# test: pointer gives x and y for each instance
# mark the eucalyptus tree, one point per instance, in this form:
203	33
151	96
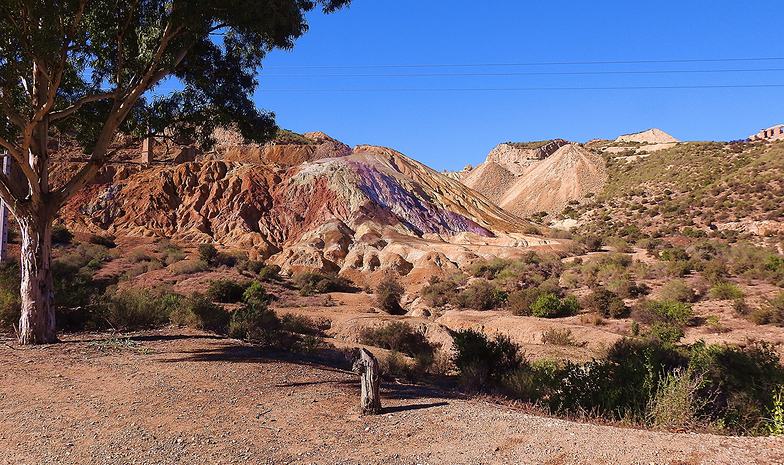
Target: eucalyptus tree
93	70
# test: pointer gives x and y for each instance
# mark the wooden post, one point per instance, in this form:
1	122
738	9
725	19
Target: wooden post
367	368
148	144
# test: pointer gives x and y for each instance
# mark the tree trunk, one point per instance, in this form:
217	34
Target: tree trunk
368	369
37	324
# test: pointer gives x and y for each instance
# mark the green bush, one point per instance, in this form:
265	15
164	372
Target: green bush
481	362
560	337
140	308
225	291
726	291
255	322
313	282
301	324
480	294
270	273
677	290
550	306
667	333
388	294
400	337
677	401
10	301
61	235
441	291
656	311
772	312
606	303
198	311
188	266
207	253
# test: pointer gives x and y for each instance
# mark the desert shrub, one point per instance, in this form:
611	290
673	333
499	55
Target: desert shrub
255	322
198	311
481	362
400	337
140	308
312	282
742	382
10	301
726	291
80	303
665	332
560	337
388	294
269	273
776	419
225	291
548	305
61	235
395	365
480	294
207	253
606	303
301	324
657	311
772	312
677	290
591	243
678	401
103	240
139	256
188	266
255	294
171	253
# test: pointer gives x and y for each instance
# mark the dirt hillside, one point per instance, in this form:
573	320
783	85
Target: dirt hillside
650	136
568	174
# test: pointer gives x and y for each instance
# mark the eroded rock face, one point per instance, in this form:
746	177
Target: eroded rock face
516	157
371	210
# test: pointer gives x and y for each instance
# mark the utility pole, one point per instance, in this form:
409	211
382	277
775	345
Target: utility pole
4	211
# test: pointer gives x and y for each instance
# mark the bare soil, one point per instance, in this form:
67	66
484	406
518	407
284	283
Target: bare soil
178	396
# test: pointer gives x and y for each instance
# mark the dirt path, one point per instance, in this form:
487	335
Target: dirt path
189	398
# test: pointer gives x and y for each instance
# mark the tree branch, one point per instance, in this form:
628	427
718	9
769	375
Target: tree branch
66	112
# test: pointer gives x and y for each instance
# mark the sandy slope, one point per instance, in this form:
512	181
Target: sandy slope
189	398
651	136
568	174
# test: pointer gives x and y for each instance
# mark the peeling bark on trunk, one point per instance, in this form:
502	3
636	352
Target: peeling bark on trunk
37	324
368	369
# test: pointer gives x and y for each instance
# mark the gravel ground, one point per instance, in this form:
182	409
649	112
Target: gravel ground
183	397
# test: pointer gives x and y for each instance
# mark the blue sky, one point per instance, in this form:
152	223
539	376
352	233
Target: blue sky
447	130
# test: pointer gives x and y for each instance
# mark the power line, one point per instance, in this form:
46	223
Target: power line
526	89
534	73
540	63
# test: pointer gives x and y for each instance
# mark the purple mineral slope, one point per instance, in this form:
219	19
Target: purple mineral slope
412	207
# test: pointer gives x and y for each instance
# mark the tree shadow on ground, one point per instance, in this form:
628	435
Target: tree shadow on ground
408	408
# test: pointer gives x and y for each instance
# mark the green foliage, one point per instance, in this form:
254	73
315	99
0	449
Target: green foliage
480	294
441	291
313	282
10	301
61	235
269	273
481	362
225	291
255	322
772	312
548	305
776	421
188	266
677	401
726	291
207	253
677	290
606	303
399	337
198	311
388	294
560	337
140	308
656	311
